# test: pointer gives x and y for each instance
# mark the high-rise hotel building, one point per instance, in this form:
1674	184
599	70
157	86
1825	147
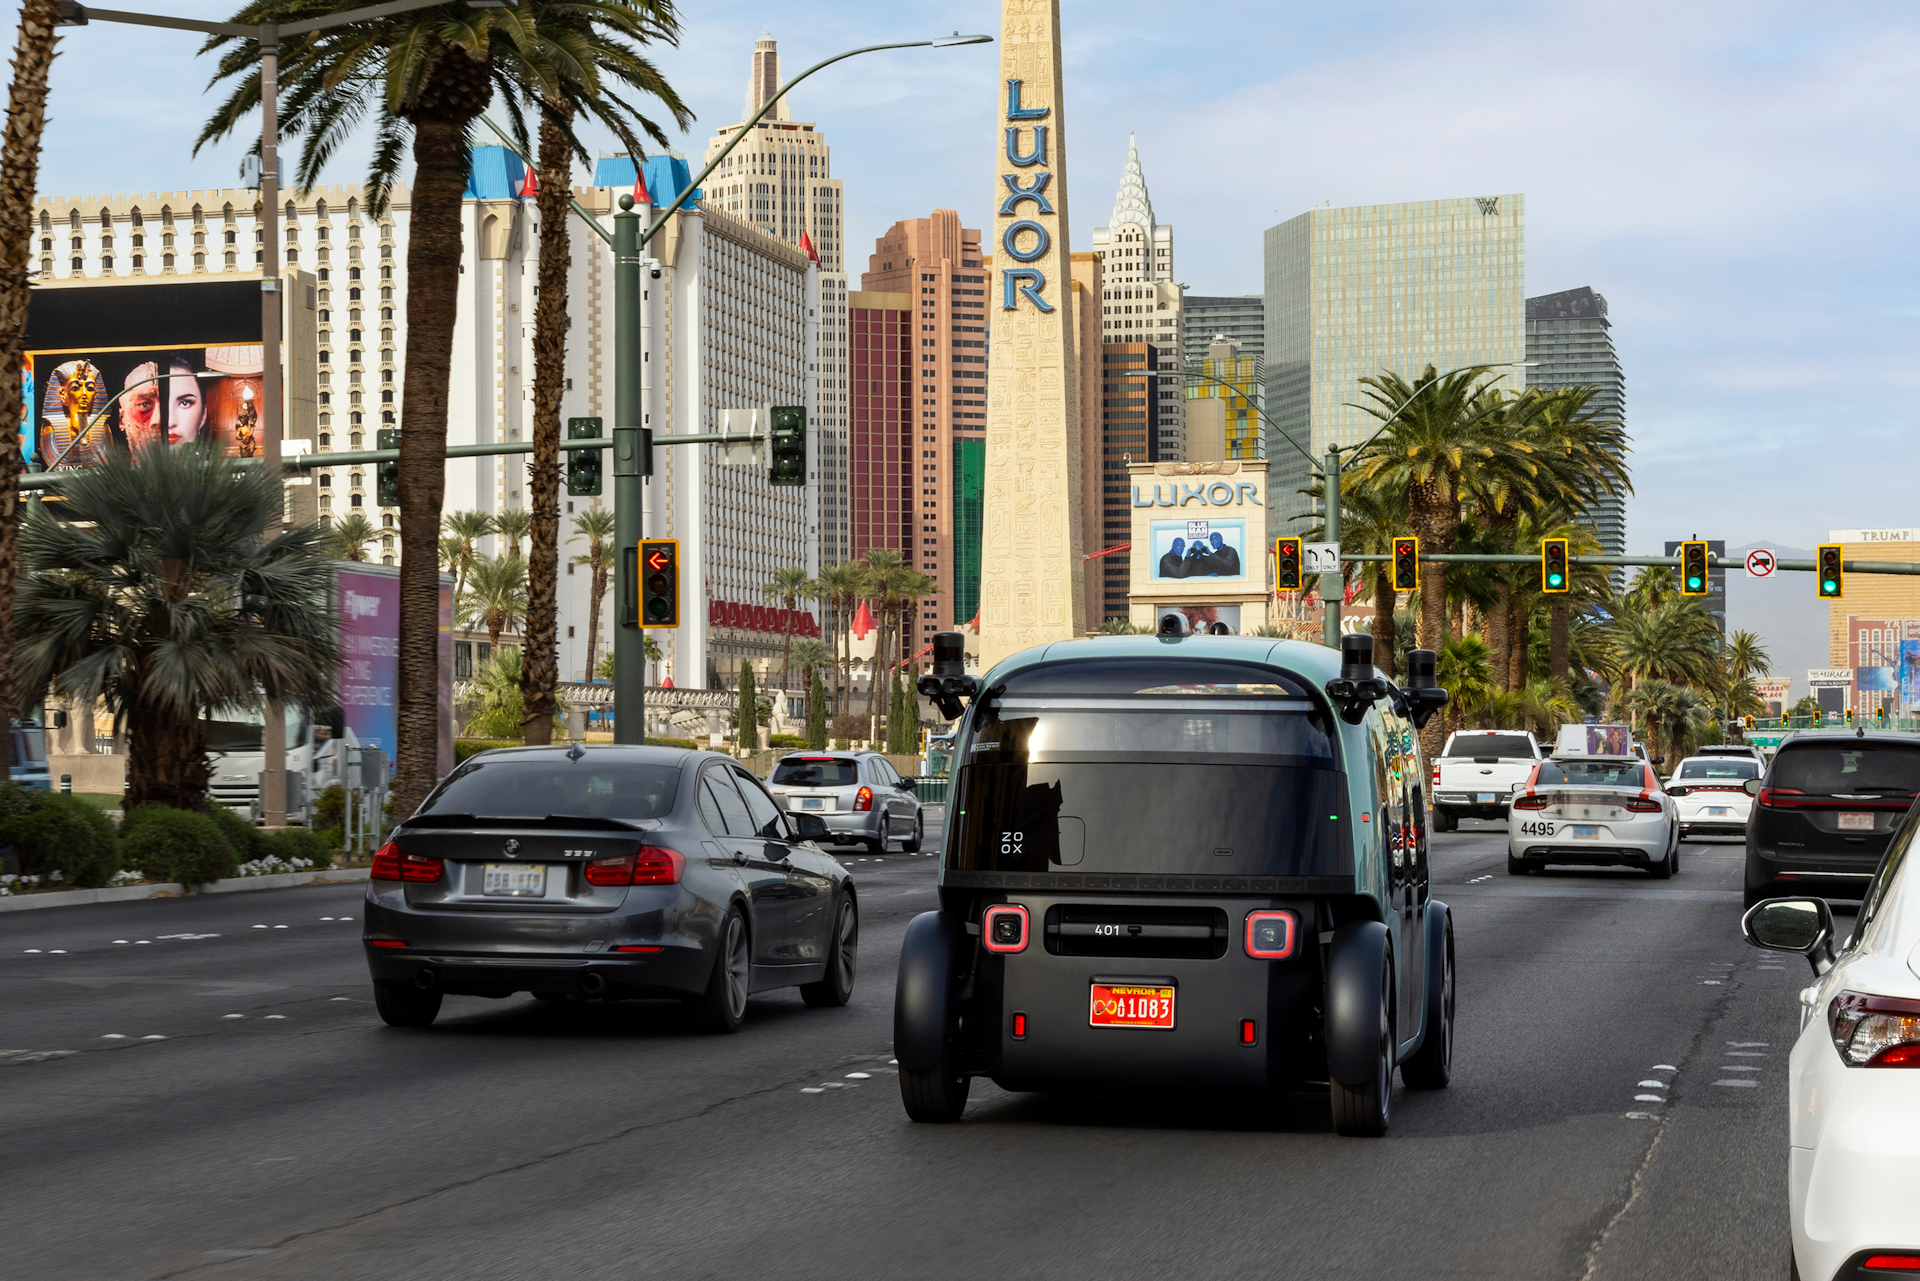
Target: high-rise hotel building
934	266
1357	292
780	182
1140	301
1570	344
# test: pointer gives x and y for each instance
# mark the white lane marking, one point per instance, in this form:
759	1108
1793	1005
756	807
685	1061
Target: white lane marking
1663	1067
153	1036
1739	1085
279	927
276	1016
859	1076
1747	1044
346	918
1649	1098
834	1085
1769	967
811	1089
1745	1054
138	942
1653	1085
233	1016
186	936
1741	1067
33	949
893	1062
121	940
114	1036
339	998
1712	982
1642	1116
259	927
326	918
58	951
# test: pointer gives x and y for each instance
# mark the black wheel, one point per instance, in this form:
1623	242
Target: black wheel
1362	1111
876	845
723	1006
1518	866
403	1005
1444	822
1663	869
935	1098
912	844
842	955
1432	1067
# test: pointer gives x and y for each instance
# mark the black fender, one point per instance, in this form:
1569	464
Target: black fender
930	955
1356	967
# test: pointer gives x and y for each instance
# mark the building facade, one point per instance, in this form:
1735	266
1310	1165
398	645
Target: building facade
1141	302
1224	390
936	265
1357	292
1242	319
1570	344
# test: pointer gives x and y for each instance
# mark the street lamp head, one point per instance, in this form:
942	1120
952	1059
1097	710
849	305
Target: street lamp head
626	202
942	42
69	13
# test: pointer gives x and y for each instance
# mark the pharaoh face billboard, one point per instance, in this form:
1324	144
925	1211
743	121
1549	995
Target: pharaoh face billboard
140	367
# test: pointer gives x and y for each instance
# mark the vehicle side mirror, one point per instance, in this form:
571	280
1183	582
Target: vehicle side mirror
1751	787
811	827
1518	787
1659	760
1803	925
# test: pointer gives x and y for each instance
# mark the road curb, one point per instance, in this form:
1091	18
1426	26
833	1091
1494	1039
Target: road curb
228	885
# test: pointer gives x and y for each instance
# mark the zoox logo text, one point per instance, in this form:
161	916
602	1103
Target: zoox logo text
1027	184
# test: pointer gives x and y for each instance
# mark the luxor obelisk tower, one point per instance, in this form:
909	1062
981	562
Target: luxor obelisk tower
1031	584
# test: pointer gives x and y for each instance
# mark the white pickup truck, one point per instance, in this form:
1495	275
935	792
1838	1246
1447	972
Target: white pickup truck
1474	774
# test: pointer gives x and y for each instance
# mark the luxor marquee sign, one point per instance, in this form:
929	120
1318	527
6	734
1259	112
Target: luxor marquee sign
1030	155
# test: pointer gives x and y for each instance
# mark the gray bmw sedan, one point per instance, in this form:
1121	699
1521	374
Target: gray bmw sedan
611	873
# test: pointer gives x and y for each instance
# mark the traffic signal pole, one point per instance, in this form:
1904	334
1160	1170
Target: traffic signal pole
1333	587
632	461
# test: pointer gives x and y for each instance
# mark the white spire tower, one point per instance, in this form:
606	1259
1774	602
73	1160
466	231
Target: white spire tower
1140	303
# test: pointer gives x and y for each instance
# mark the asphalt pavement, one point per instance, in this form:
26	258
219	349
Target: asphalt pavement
200	1087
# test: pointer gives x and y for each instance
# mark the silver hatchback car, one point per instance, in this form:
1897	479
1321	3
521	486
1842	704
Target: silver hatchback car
858	795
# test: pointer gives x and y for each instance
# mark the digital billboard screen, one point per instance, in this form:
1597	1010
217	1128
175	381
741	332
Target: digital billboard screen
140	366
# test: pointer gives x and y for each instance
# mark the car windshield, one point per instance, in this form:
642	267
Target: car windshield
1730	767
513	786
1505	746
1143	766
1591	773
1855	768
816	771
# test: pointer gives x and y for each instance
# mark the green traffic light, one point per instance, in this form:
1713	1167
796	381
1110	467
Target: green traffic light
1694	584
1828	585
1554	579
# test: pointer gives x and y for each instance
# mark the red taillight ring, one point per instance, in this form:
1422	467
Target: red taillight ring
1259	942
1003	912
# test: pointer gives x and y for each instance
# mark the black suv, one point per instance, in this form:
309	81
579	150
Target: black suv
1827	807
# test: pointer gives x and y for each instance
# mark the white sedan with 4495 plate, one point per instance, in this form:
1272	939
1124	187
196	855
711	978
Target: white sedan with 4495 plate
1594	810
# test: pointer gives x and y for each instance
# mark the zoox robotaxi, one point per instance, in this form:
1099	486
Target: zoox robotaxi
1181	860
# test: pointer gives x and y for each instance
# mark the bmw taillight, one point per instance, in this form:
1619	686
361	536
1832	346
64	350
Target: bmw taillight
1875	1031
1270	935
653	865
1530	801
1004	928
863	799
389	864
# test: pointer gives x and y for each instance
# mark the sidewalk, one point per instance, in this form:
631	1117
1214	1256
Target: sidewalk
229	885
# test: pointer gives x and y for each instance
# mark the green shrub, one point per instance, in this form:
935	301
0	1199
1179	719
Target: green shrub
787	740
330	808
247	841
166	844
291	843
60	834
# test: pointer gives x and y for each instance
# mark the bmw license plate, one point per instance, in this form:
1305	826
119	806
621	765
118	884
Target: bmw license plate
1856	822
515	880
1131	1005
1584	831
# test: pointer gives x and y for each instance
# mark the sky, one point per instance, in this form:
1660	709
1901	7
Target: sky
1738	179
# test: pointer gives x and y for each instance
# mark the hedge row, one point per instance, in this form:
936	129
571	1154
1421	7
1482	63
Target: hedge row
53	833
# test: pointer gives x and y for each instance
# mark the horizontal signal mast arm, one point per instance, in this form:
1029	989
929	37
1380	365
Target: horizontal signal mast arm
1670	562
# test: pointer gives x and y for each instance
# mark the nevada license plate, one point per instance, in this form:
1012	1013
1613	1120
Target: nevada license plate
1484	798
1856	822
515	880
1583	832
1717	811
813	803
1130	1005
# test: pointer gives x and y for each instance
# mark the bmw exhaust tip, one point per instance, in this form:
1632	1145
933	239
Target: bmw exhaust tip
594	984
426	980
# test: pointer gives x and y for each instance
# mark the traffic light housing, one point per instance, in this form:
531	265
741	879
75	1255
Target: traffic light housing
787	446
659	572
1849	716
583	465
1693	569
386	475
1748	721
1286	564
1880	714
1829	571
1406	564
1553	566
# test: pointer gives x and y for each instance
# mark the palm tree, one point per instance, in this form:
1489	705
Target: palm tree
787	586
449	555
811	653
839	586
513	524
424	76
169	590
348	538
881	571
1434	443
596	526
1465	670
496	596
1123	627
599	41
469	527
19	173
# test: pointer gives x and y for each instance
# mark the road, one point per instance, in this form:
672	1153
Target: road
1618	1111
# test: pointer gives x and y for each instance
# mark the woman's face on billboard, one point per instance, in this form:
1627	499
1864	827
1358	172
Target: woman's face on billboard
186	408
140	407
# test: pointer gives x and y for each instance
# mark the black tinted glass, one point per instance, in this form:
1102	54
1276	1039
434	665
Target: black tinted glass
1501	745
816	771
1156	677
1579	773
1726	767
533	787
1844	767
